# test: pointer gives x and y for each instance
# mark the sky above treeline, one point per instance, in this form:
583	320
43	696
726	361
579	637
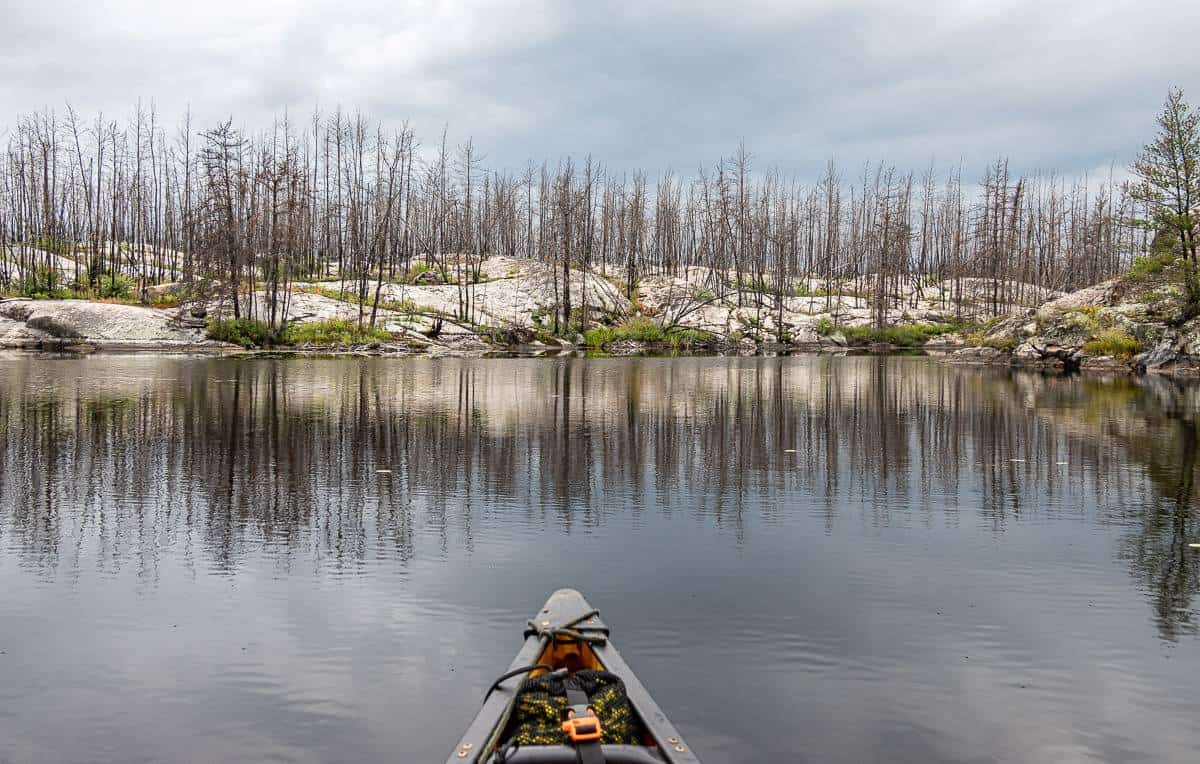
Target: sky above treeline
1070	85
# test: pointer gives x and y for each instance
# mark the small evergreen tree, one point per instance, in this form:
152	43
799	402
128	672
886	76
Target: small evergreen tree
1169	169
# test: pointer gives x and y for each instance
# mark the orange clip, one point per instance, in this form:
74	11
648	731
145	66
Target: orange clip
582	729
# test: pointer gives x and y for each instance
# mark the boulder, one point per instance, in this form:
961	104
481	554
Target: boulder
101	324
1162	354
1099	295
981	353
804	335
1027	351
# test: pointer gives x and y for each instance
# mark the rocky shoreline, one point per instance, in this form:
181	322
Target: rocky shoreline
1146	321
1141	322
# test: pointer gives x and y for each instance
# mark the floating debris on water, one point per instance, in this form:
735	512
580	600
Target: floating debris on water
789	450
1193	546
384	472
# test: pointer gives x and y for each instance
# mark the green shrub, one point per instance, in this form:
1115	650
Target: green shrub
1191	292
904	335
417	272
1115	342
599	336
825	327
246	332
1150	265
42	283
641	329
908	336
333	332
690	337
1087	318
250	333
166	301
1007	343
116	288
858	333
637	329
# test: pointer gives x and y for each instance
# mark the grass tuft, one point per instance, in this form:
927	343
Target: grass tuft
905	335
685	338
643	329
638	329
245	332
1114	341
333	332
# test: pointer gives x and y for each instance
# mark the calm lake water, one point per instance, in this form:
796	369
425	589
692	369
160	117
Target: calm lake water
804	559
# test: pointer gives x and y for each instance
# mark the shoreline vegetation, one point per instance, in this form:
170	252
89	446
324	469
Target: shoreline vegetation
338	236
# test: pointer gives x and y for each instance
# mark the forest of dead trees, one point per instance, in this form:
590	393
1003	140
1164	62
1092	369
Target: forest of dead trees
146	202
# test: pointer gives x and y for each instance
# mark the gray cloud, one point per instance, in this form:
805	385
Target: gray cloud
1071	85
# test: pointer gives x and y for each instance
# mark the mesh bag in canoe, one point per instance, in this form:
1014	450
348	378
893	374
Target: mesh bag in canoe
541	704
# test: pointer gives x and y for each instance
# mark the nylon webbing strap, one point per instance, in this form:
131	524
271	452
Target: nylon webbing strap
590	752
568	630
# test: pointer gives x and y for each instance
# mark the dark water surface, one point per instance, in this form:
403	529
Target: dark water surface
811	559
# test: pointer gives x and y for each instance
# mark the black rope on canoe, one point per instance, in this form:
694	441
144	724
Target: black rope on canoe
502	754
565	631
515	672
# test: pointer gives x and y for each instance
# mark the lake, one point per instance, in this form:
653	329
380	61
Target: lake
805	559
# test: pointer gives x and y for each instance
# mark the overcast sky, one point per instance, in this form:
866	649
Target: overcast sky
1071	85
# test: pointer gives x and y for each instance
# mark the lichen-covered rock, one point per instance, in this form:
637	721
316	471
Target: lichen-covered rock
1099	294
980	353
804	334
1188	338
518	299
1028	351
464	344
199	289
49	322
1162	354
1007	332
1069	330
1131	323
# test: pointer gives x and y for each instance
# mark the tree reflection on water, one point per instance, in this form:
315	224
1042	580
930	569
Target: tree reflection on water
134	458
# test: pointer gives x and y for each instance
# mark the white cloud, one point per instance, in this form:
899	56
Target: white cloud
1071	84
